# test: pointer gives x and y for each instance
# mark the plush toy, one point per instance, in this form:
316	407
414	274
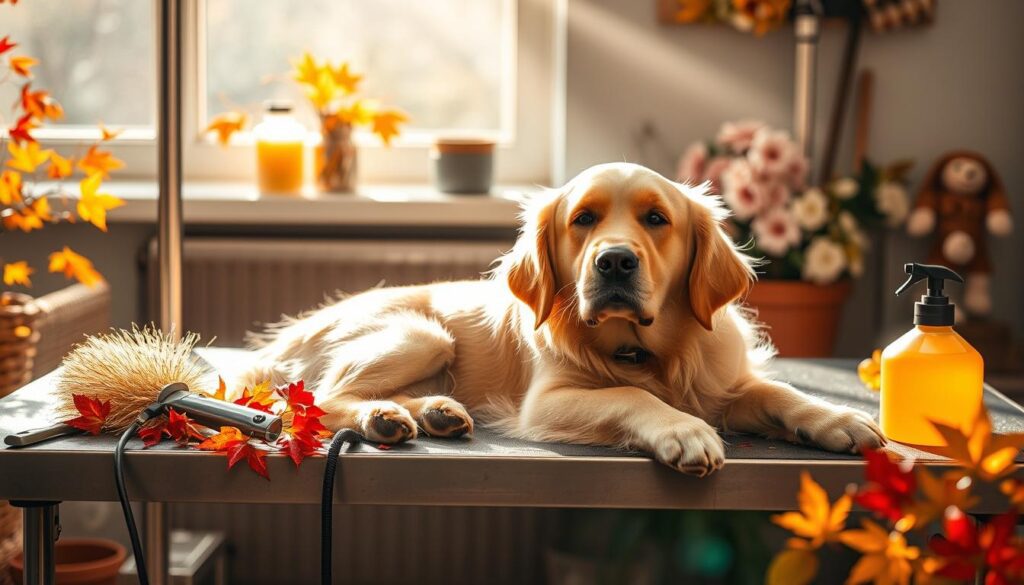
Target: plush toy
962	200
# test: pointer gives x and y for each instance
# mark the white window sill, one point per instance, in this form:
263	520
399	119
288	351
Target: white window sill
398	205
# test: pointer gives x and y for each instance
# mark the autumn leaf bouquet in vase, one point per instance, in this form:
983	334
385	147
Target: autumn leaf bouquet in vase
332	91
811	240
34	193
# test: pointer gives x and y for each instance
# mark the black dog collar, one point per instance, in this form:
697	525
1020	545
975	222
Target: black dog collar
632	355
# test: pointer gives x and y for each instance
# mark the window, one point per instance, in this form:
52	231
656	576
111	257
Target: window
447	63
96	58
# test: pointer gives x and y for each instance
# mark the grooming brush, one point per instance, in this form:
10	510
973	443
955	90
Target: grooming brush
143	371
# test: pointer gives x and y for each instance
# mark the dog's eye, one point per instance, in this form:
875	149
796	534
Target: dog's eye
656	218
584	218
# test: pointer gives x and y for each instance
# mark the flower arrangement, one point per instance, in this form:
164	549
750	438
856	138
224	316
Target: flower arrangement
27	203
921	531
756	16
809	233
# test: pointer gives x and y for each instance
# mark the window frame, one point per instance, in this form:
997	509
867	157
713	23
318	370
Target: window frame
524	148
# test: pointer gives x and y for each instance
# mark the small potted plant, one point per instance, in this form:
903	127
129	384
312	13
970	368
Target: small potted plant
812	239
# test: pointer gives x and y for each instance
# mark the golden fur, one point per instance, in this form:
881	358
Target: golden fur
530	350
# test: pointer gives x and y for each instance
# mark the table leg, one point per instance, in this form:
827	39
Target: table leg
155	542
41	528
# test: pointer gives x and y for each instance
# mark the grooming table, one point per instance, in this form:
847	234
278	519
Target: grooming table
485	470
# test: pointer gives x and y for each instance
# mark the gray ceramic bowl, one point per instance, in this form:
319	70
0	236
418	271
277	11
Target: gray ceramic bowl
463	166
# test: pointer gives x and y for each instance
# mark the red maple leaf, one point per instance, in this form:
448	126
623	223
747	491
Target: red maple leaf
176	425
308	424
153	433
890	485
964	549
255	457
92	414
20	132
300	400
6	44
300	445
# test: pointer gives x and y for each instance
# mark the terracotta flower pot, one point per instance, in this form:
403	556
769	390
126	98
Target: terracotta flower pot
801	318
82	561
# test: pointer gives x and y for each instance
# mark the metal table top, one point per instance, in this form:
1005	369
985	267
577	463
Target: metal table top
485	470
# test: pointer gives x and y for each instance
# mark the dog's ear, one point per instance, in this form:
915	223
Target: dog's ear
528	267
719	274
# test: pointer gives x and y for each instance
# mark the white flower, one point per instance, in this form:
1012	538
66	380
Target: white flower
771	153
851	230
845	188
824	261
891	199
811	209
776	231
691	164
741	192
737	136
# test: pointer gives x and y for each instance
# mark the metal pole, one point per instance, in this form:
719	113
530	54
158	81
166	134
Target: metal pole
807	26
169	233
40	528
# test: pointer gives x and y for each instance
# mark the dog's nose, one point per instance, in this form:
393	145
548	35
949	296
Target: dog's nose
617	262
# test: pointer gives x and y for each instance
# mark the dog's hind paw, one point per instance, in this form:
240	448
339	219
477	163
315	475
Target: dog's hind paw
445	417
386	422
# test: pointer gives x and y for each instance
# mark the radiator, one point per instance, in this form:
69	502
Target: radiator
233	285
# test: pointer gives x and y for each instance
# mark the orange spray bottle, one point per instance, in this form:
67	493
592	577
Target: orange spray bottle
930	373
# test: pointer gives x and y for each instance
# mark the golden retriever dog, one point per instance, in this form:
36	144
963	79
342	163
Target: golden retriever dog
612	321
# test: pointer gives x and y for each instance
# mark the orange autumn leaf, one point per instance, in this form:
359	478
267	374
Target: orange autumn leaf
74	265
886	557
359	112
93	206
221	392
17	273
92	414
39	104
952	488
22	65
385	124
26	158
256	458
60	167
345	79
818	520
222	440
688	11
10	187
261	397
1013	489
985	455
792	567
225	125
29	218
107	134
99	162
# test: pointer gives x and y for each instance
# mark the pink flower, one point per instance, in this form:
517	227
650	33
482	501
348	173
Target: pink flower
742	193
737	136
771	152
776	231
777	194
692	163
799	168
715	168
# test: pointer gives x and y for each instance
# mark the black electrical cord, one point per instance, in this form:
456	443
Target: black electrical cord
327	500
122	491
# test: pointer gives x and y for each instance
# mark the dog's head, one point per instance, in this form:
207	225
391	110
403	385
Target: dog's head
622	242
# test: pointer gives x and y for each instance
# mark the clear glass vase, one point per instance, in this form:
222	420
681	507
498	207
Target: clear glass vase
337	158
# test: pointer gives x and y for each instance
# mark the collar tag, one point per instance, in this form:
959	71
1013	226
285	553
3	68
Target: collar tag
632	355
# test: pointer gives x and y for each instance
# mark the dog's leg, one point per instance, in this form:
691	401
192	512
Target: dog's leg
772	408
365	375
623	416
439	416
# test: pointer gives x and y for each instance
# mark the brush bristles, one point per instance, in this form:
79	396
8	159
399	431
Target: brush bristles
128	368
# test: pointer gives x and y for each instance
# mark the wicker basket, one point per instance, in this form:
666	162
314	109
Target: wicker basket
10	540
18	339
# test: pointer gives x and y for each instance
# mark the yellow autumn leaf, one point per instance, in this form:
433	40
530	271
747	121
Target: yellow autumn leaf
99	162
74	265
952	488
30	217
221	392
21	65
93	206
17	273
886	558
818	520
792	567
225	125
385	124
358	113
27	157
10	187
60	167
306	69
345	79
985	455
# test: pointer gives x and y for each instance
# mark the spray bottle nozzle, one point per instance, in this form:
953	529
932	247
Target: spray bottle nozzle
934	307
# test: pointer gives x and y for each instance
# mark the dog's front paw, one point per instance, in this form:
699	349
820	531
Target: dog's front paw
839	429
692	446
387	422
445	417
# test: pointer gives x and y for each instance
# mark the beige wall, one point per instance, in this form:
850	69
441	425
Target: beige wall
956	84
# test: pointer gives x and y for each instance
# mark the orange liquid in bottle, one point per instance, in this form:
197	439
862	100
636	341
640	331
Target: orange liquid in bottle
280	166
931	373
